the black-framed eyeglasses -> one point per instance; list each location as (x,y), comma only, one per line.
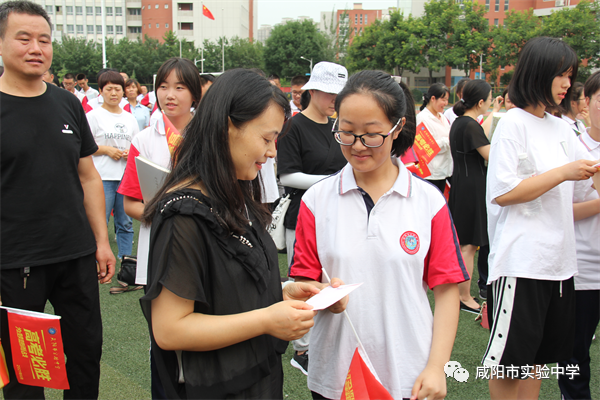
(367,139)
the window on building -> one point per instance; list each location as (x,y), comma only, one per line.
(166,6)
(119,29)
(80,29)
(78,10)
(118,11)
(89,11)
(70,29)
(495,21)
(487,5)
(90,29)
(98,11)
(109,30)
(109,11)
(58,10)
(59,27)
(158,25)
(185,6)
(356,18)
(186,26)
(135,29)
(135,11)
(366,15)
(69,10)
(167,26)
(49,9)
(497,6)
(361,19)
(156,6)
(506,5)
(355,31)
(99,29)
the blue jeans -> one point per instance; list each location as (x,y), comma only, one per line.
(123,224)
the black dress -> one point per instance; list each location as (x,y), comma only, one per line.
(467,195)
(195,257)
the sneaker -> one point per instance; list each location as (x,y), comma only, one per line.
(466,308)
(483,294)
(300,361)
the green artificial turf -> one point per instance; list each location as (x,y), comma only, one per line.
(126,367)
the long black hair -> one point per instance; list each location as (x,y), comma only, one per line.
(239,96)
(541,60)
(437,90)
(472,92)
(394,99)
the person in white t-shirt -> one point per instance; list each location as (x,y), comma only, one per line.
(432,116)
(296,89)
(69,84)
(574,106)
(376,223)
(449,113)
(533,163)
(86,90)
(113,130)
(586,211)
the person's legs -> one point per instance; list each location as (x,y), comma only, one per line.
(110,192)
(290,239)
(123,227)
(482,268)
(587,315)
(464,288)
(75,298)
(32,297)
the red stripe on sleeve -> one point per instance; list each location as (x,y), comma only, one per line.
(305,262)
(130,184)
(444,262)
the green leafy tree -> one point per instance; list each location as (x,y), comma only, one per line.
(404,44)
(76,55)
(288,43)
(469,37)
(365,51)
(579,27)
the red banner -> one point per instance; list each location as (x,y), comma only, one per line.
(173,135)
(425,145)
(37,349)
(361,383)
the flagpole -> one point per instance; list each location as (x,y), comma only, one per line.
(223,41)
(348,318)
(202,39)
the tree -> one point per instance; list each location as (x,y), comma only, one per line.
(76,55)
(404,44)
(364,52)
(579,27)
(288,43)
(337,34)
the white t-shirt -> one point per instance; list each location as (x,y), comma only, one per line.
(295,109)
(441,166)
(91,93)
(540,247)
(576,125)
(449,114)
(270,189)
(587,231)
(403,246)
(115,130)
(98,101)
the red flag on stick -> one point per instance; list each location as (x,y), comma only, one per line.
(206,12)
(361,383)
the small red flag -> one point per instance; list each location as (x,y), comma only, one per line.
(86,107)
(425,145)
(361,383)
(172,134)
(37,349)
(206,12)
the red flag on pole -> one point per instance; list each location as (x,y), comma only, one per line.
(361,383)
(206,12)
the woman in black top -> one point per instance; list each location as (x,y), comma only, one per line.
(214,304)
(470,148)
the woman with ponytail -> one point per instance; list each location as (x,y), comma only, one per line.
(432,115)
(470,148)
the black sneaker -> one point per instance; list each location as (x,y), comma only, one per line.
(483,294)
(466,308)
(300,361)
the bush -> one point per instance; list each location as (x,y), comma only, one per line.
(417,95)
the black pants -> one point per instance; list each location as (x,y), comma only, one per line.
(587,316)
(72,288)
(482,266)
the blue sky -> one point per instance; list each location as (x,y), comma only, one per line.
(272,11)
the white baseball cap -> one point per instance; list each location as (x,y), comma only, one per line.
(327,77)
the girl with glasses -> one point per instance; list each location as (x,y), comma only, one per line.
(376,223)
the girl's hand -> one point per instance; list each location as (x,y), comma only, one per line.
(340,306)
(114,153)
(430,384)
(585,116)
(497,104)
(289,319)
(578,170)
(299,291)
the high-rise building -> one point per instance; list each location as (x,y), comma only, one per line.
(357,19)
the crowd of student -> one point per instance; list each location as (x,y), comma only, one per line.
(218,315)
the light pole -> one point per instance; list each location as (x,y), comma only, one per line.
(310,61)
(201,59)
